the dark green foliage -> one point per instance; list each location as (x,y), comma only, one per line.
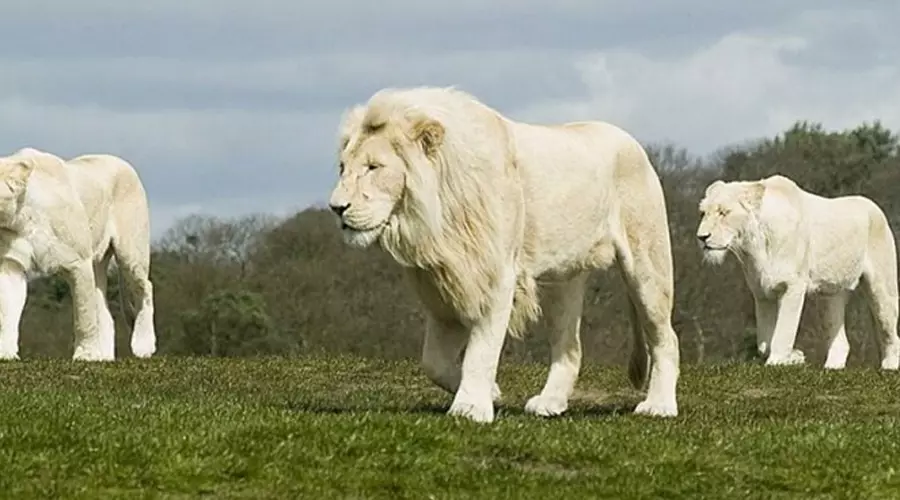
(320,296)
(230,323)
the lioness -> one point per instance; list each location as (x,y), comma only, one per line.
(72,217)
(792,243)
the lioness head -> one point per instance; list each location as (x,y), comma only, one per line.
(15,171)
(385,154)
(726,217)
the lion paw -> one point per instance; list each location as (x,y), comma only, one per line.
(546,406)
(656,408)
(91,353)
(890,363)
(796,357)
(474,412)
(9,354)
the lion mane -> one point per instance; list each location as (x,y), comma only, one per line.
(447,227)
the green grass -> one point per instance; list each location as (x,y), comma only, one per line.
(351,428)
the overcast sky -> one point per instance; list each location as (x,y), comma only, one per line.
(232,106)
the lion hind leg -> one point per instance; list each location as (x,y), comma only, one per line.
(650,291)
(883,305)
(563,305)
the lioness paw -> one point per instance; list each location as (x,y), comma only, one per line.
(656,408)
(9,355)
(474,412)
(546,406)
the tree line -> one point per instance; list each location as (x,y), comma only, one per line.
(261,285)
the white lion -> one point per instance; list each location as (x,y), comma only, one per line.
(72,217)
(792,243)
(483,210)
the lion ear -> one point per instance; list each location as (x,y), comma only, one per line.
(429,133)
(351,121)
(753,195)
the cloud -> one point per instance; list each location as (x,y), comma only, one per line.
(228,106)
(742,86)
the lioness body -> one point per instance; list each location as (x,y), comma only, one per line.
(72,217)
(500,222)
(792,243)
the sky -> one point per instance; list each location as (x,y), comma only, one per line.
(230,107)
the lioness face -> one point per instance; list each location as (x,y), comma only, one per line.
(372,178)
(722,219)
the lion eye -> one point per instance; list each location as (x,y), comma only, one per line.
(341,168)
(373,166)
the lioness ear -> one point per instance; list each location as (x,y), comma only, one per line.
(351,121)
(712,187)
(429,133)
(18,172)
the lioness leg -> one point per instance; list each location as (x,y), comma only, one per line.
(473,399)
(441,352)
(13,291)
(650,288)
(787,319)
(835,330)
(88,342)
(882,300)
(134,268)
(766,312)
(562,308)
(104,318)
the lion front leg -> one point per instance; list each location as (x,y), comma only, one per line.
(441,349)
(787,319)
(474,397)
(13,292)
(88,338)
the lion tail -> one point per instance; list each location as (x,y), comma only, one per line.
(126,307)
(639,366)
(526,306)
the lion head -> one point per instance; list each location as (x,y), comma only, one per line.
(383,164)
(728,217)
(15,170)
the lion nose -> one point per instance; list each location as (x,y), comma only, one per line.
(703,237)
(339,209)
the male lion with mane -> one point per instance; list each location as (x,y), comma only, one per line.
(483,211)
(72,217)
(792,243)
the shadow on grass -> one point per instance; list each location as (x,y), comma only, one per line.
(580,411)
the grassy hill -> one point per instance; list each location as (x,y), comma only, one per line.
(358,428)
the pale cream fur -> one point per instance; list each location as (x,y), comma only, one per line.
(791,244)
(484,212)
(71,217)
